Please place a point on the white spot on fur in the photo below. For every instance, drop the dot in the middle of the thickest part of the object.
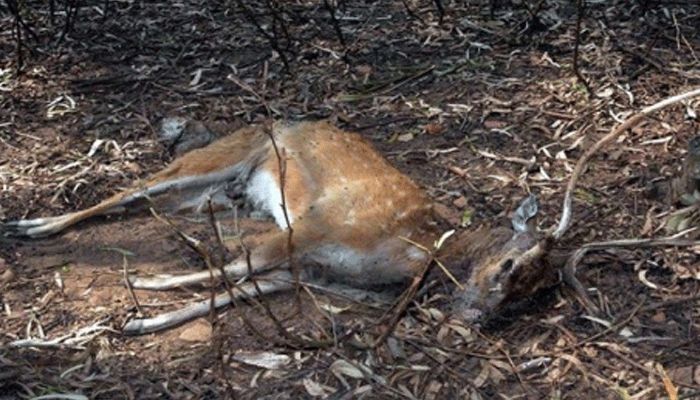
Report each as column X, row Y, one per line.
column 264, row 192
column 415, row 253
column 350, row 218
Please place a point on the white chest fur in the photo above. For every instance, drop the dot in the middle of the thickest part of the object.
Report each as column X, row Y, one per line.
column 264, row 192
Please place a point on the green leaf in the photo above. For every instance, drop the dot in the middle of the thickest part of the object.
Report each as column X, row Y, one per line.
column 467, row 217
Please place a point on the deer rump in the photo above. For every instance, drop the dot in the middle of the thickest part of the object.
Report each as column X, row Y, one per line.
column 352, row 214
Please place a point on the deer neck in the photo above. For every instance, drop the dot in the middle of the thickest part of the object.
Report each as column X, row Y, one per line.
column 465, row 249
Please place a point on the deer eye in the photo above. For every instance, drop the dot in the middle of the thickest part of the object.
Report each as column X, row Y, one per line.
column 506, row 267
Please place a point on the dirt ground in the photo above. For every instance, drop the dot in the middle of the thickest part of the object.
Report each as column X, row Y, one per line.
column 480, row 107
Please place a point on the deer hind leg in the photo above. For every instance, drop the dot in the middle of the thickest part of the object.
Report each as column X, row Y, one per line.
column 276, row 281
column 207, row 168
column 126, row 201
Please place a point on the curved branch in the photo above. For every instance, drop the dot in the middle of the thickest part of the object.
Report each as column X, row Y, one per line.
column 631, row 122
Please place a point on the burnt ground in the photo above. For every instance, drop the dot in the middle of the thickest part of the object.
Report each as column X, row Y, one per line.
column 479, row 108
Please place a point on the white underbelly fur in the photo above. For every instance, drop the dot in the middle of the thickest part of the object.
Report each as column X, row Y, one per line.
column 367, row 268
column 264, row 193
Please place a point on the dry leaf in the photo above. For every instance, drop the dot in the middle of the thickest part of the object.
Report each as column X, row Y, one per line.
column 197, row 331
column 406, row 137
column 442, row 333
column 197, row 77
column 683, row 375
column 342, row 367
column 265, row 359
column 642, row 275
column 446, row 213
column 659, row 317
column 597, row 320
column 436, row 314
column 333, row 309
column 466, row 333
column 315, row 389
column 480, row 380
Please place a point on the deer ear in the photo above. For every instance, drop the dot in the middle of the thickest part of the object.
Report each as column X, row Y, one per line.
column 526, row 210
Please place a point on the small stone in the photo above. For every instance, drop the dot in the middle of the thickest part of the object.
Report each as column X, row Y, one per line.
column 494, row 124
column 447, row 214
column 199, row 330
column 460, row 202
column 659, row 317
column 434, row 128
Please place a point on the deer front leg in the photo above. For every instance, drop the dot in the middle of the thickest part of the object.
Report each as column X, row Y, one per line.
column 235, row 269
column 271, row 253
column 273, row 282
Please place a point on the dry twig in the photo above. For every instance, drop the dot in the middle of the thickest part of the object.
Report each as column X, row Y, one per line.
column 577, row 41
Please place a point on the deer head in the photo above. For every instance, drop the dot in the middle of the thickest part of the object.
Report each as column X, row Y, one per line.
column 497, row 271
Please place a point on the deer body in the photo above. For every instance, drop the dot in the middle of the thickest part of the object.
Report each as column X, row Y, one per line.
column 352, row 213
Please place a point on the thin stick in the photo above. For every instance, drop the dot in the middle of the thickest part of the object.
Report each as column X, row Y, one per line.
column 613, row 327
column 228, row 285
column 129, row 287
column 282, row 167
column 163, row 321
column 213, row 315
column 406, row 297
column 438, row 262
column 411, row 13
column 268, row 311
column 272, row 39
column 440, row 10
column 334, row 20
column 577, row 41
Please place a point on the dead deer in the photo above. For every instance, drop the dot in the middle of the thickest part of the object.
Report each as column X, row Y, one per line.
column 351, row 212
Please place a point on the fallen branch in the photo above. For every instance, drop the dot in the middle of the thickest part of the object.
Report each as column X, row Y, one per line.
column 631, row 122
column 555, row 234
column 75, row 340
